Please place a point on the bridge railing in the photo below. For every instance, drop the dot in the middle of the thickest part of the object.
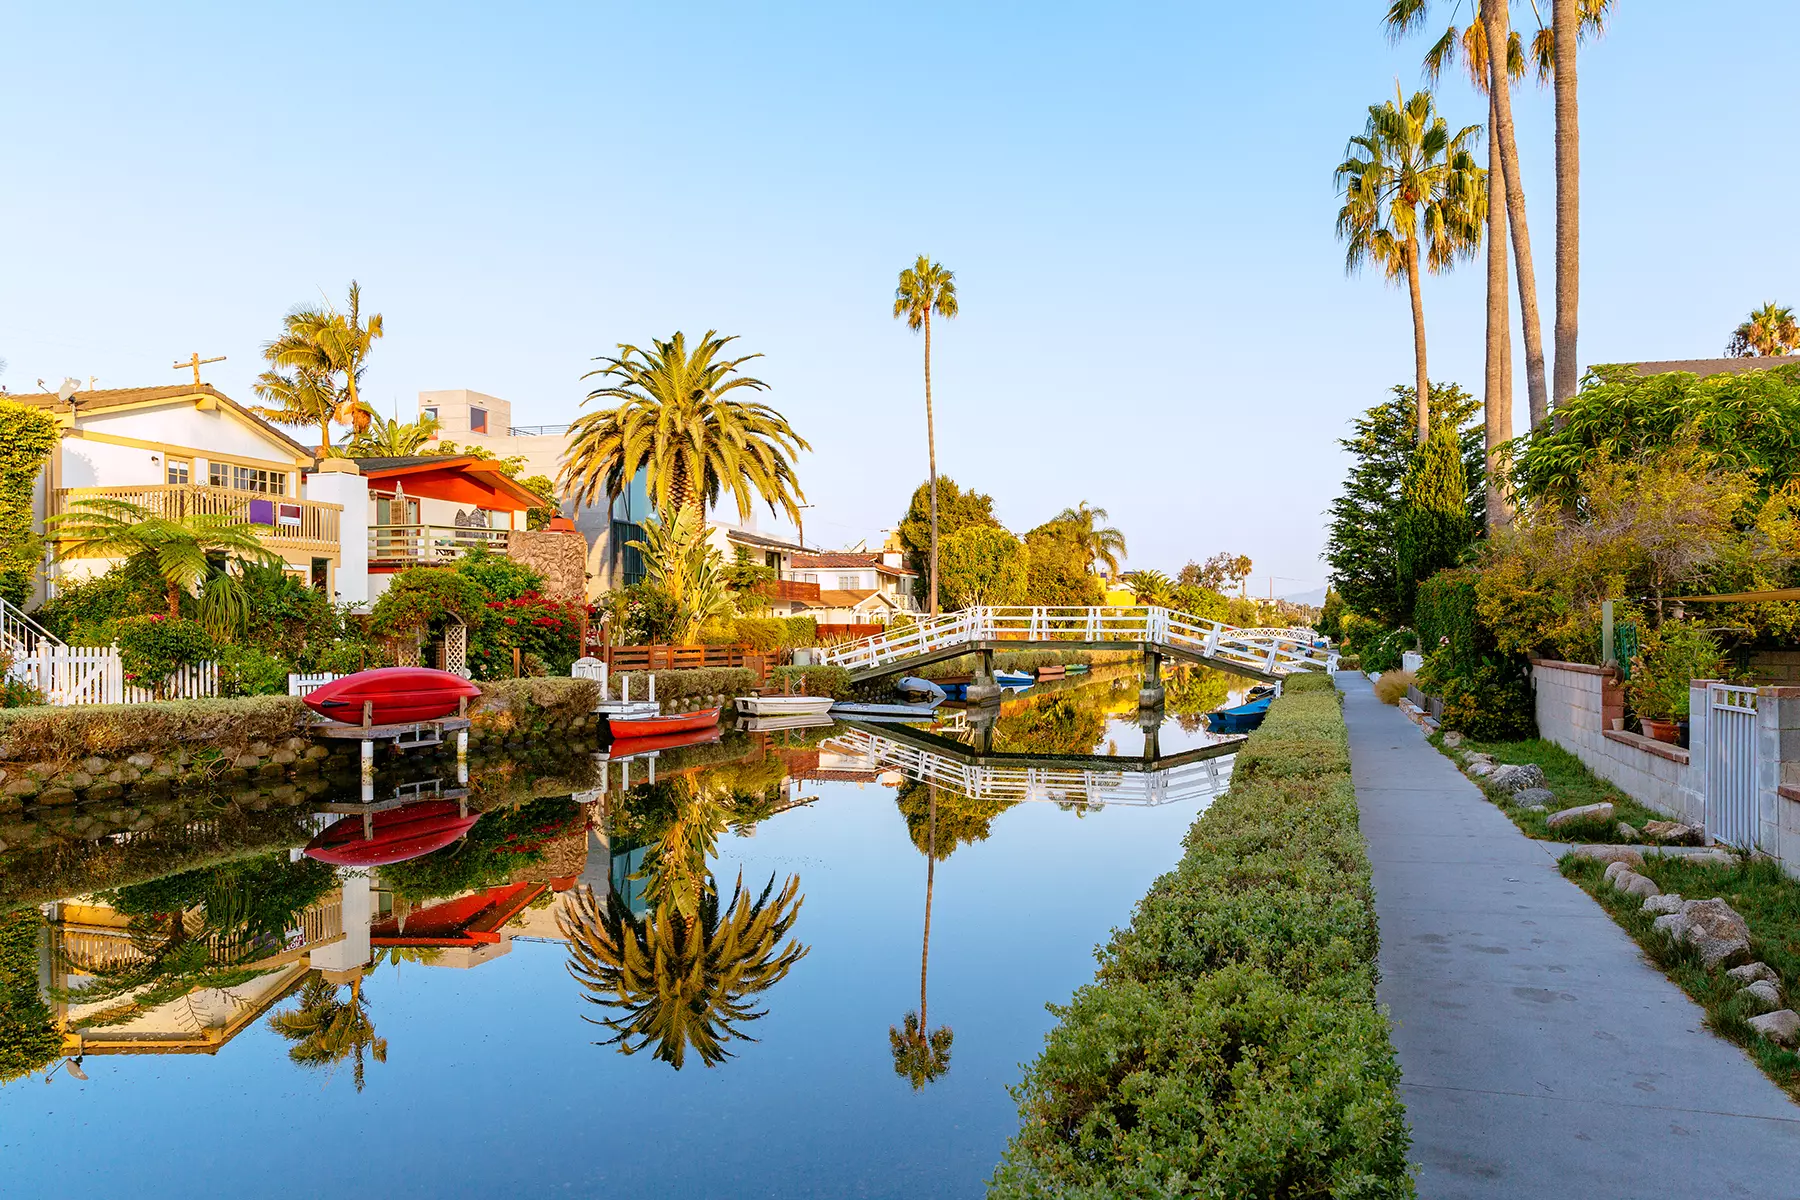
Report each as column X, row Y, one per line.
column 1273, row 651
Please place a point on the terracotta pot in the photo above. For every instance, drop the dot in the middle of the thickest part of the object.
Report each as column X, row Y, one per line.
column 1662, row 731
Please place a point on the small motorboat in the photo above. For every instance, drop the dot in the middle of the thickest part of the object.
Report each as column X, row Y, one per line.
column 626, row 747
column 391, row 696
column 624, row 727
column 1018, row 680
column 1241, row 719
column 777, row 724
column 857, row 708
column 914, row 686
column 390, row 837
column 784, row 706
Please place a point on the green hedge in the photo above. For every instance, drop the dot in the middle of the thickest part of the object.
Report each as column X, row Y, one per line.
column 1446, row 618
column 818, row 681
column 1230, row 1044
column 61, row 735
column 28, row 1040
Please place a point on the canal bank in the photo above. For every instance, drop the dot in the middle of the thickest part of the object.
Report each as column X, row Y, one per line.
column 1541, row 1055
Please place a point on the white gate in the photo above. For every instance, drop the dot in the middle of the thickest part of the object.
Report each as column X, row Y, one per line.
column 1731, row 762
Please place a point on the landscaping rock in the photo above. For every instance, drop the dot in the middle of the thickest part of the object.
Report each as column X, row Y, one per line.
column 1664, row 904
column 1481, row 769
column 1674, row 833
column 1626, row 832
column 96, row 765
column 1609, row 854
column 57, row 796
column 1782, row 1027
column 1766, row 995
column 1584, row 814
column 1517, row 777
column 1536, row 808
column 1712, row 927
column 1633, row 884
column 1615, row 869
column 79, row 780
column 142, row 762
column 317, row 752
column 1452, row 739
column 1755, row 972
column 246, row 762
column 283, row 757
column 1541, row 797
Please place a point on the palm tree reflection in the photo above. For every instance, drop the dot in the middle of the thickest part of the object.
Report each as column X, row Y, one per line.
column 921, row 1053
column 327, row 1029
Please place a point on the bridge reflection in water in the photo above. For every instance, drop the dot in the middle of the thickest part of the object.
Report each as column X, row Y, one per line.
column 1076, row 779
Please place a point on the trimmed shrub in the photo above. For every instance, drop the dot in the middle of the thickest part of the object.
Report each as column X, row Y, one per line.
column 688, row 683
column 815, row 681
column 799, row 631
column 154, row 647
column 534, row 698
column 65, row 735
column 1230, row 1044
column 1486, row 693
column 247, row 671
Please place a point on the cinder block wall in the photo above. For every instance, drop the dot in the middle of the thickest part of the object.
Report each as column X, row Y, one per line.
column 1576, row 704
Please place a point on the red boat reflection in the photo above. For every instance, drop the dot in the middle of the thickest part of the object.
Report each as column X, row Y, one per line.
column 394, row 836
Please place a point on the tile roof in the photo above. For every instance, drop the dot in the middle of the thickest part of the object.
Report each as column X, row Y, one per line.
column 100, row 399
column 834, row 558
column 758, row 539
column 1715, row 366
column 844, row 599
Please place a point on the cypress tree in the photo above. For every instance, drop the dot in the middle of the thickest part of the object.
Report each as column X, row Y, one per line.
column 1432, row 528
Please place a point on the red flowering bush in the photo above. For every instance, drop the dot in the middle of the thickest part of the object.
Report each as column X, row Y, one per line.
column 546, row 632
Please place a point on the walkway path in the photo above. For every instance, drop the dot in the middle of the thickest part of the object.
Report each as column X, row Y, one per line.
column 1541, row 1054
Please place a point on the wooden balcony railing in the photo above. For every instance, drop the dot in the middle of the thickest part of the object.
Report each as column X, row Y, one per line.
column 789, row 589
column 425, row 545
column 675, row 658
column 309, row 524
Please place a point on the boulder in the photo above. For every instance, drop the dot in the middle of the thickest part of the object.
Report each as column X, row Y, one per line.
column 1674, row 833
column 1765, row 995
column 1480, row 769
column 1663, row 905
column 1540, row 797
column 1614, row 869
column 142, row 761
column 96, row 765
column 78, row 781
column 1712, row 927
column 1516, row 777
column 1536, row 808
column 1753, row 973
column 1582, row 815
column 1626, row 832
column 1452, row 740
column 1633, row 884
column 1782, row 1027
column 1610, row 854
column 246, row 762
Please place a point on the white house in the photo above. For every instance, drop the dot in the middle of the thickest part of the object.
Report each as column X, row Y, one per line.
column 855, row 588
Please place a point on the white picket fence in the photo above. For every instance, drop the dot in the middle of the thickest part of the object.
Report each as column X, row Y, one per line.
column 69, row 675
column 306, row 685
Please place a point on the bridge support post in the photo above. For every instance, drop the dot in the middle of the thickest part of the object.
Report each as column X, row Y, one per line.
column 1150, row 721
column 1150, row 695
column 982, row 689
column 981, row 726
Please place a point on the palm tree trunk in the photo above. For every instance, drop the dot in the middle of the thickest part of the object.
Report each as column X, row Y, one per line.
column 174, row 599
column 1498, row 28
column 1566, row 29
column 1422, row 394
column 930, row 879
column 1497, row 397
column 931, row 451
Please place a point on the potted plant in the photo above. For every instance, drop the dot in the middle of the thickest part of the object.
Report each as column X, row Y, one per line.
column 1668, row 662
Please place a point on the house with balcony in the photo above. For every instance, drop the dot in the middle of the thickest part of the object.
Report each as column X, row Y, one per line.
column 180, row 450
column 861, row 588
column 430, row 510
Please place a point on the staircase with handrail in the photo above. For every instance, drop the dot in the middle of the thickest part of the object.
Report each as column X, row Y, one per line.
column 20, row 636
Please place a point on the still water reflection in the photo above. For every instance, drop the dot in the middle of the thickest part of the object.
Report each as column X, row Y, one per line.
column 685, row 972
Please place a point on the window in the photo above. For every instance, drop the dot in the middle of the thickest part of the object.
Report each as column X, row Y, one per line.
column 849, row 583
column 218, row 474
column 321, row 574
column 772, row 559
column 477, row 420
column 630, row 558
column 255, row 479
column 429, row 414
column 178, row 470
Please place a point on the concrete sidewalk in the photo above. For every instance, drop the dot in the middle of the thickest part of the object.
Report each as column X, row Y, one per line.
column 1541, row 1054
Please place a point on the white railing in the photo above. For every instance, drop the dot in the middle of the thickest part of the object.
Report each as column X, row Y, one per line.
column 19, row 634
column 1271, row 651
column 306, row 685
column 423, row 545
column 1731, row 766
column 1201, row 780
column 68, row 675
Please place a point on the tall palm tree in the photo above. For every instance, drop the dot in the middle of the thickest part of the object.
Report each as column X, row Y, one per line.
column 1496, row 56
column 926, row 288
column 184, row 547
column 920, row 1052
column 1771, row 330
column 1103, row 545
column 678, row 981
column 326, row 1029
column 1406, row 178
column 320, row 348
column 677, row 420
column 386, row 438
column 1497, row 381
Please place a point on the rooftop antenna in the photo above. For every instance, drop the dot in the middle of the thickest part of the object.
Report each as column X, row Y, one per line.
column 195, row 363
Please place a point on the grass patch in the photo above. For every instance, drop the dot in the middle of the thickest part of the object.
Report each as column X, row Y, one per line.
column 1573, row 784
column 1769, row 902
column 1230, row 1044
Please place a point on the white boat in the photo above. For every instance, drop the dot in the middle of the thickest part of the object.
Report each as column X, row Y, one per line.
column 783, row 706
column 777, row 724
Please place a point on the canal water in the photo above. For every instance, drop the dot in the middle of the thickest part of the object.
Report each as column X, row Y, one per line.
column 555, row 1001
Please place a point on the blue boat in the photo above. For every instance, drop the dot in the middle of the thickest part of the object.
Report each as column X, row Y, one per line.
column 1017, row 680
column 1241, row 719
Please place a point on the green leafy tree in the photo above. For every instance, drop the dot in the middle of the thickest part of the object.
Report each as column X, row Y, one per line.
column 316, row 366
column 956, row 510
column 29, row 1040
column 1360, row 546
column 1105, row 545
column 1057, row 567
column 677, row 419
column 27, row 435
column 1414, row 200
column 926, row 288
column 1223, row 572
column 1200, row 602
column 502, row 578
column 1432, row 527
column 982, row 564
column 188, row 551
column 1770, row 331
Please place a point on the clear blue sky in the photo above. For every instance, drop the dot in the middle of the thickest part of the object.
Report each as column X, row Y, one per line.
column 1136, row 200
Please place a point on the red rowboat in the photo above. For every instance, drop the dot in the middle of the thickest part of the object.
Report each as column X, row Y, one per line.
column 397, row 695
column 667, row 741
column 399, row 834
column 639, row 727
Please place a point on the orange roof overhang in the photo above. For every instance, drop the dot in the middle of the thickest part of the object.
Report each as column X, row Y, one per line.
column 477, row 482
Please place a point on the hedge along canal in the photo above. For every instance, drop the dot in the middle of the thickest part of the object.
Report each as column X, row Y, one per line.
column 1230, row 1044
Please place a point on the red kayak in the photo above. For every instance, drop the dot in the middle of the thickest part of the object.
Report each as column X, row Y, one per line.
column 397, row 694
column 643, row 727
column 399, row 834
column 666, row 741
